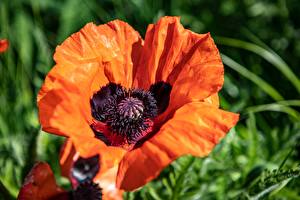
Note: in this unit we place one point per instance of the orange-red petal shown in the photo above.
(161, 52)
(3, 45)
(62, 111)
(40, 184)
(78, 60)
(107, 182)
(190, 62)
(194, 129)
(201, 77)
(95, 55)
(213, 100)
(171, 52)
(124, 45)
(84, 62)
(66, 158)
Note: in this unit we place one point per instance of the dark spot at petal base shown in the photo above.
(99, 99)
(85, 168)
(101, 136)
(161, 92)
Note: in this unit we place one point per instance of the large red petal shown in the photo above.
(78, 60)
(163, 45)
(84, 62)
(200, 77)
(190, 62)
(62, 111)
(124, 44)
(40, 185)
(194, 129)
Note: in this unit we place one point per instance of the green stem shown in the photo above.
(4, 193)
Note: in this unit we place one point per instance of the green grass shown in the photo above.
(260, 46)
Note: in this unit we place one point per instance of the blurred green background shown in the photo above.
(260, 45)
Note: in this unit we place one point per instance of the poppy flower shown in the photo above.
(3, 45)
(83, 173)
(154, 99)
(40, 184)
(78, 170)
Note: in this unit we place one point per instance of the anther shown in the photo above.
(87, 191)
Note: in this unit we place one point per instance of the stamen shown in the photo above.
(87, 191)
(127, 114)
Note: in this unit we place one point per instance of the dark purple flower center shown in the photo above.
(128, 113)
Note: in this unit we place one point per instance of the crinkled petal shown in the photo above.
(40, 184)
(194, 129)
(190, 62)
(125, 46)
(79, 59)
(86, 61)
(62, 111)
(96, 55)
(161, 49)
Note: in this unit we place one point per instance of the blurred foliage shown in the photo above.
(260, 45)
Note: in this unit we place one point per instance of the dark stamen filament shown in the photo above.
(87, 191)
